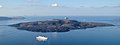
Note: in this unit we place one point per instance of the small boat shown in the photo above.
(42, 38)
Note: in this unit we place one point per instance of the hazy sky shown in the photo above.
(59, 7)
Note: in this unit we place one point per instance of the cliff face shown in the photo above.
(57, 25)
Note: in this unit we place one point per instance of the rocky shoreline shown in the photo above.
(57, 25)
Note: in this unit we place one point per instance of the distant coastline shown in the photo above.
(5, 18)
(10, 18)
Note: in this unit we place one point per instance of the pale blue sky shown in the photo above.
(66, 7)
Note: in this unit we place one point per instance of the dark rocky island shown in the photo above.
(57, 25)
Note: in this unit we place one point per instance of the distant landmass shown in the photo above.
(117, 19)
(5, 18)
(18, 17)
(57, 25)
(10, 18)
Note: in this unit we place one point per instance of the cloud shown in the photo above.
(58, 11)
(54, 5)
(1, 6)
(118, 6)
(30, 0)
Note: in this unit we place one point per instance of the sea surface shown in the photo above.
(91, 36)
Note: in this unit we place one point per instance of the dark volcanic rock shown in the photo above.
(57, 25)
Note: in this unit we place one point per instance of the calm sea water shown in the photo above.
(90, 36)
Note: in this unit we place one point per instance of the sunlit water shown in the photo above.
(91, 36)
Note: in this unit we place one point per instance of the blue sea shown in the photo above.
(91, 36)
